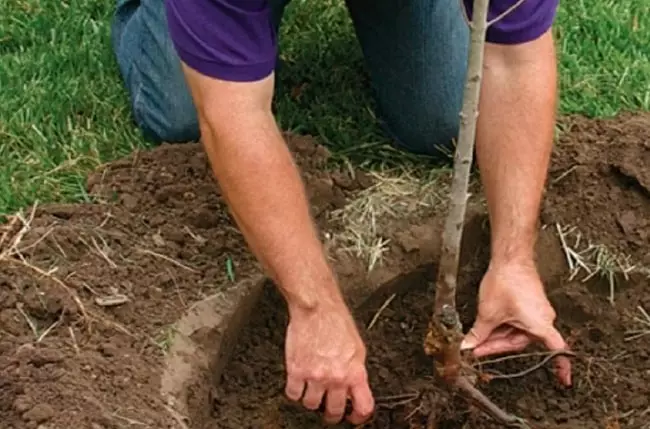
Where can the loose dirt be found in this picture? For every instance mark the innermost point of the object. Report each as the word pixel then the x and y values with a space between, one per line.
pixel 611 375
pixel 89 294
pixel 600 182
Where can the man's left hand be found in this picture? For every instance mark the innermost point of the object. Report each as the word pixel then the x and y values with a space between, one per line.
pixel 513 313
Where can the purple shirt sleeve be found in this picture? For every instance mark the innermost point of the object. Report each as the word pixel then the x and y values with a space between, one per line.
pixel 226 39
pixel 525 23
pixel 234 39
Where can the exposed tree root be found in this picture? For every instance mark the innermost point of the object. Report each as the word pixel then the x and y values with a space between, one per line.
pixel 477 398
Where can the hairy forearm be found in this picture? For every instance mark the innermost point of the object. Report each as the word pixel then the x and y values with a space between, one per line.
pixel 265 193
pixel 514 141
pixel 263 188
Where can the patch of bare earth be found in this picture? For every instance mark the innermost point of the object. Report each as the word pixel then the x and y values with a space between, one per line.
pixel 89 293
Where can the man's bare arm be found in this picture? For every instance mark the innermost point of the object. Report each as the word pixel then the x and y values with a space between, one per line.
pixel 324 353
pixel 262 185
pixel 514 140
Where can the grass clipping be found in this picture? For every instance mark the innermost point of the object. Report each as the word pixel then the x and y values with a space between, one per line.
pixel 394 195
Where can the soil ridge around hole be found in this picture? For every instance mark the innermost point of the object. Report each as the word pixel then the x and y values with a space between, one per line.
pixel 202 342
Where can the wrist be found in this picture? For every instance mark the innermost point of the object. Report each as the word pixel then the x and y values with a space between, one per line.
pixel 521 257
pixel 523 265
pixel 311 296
pixel 506 259
pixel 517 246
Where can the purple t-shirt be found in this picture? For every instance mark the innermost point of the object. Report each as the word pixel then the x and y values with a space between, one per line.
pixel 234 40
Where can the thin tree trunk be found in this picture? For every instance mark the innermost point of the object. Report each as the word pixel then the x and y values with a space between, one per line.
pixel 445 331
pixel 451 239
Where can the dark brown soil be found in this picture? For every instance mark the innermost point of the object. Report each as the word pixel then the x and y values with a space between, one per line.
pixel 611 376
pixel 600 182
pixel 158 234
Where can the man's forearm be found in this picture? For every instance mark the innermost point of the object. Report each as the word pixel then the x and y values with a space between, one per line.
pixel 266 196
pixel 263 187
pixel 514 141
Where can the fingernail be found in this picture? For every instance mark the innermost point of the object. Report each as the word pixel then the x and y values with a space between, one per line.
pixel 466 345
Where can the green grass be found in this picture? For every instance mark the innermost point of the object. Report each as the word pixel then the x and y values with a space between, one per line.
pixel 63 109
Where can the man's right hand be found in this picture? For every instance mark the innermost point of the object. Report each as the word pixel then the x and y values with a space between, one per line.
pixel 325 358
pixel 265 194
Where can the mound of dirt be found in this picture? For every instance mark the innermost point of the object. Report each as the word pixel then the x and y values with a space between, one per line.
pixel 89 292
pixel 600 182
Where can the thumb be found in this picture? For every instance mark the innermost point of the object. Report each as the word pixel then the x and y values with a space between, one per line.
pixel 478 334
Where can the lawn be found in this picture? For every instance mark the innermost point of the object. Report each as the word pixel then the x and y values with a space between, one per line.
pixel 63 109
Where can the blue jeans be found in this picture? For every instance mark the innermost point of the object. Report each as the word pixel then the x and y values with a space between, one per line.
pixel 415 52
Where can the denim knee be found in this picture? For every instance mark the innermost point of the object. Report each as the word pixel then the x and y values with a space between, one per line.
pixel 424 131
pixel 416 54
pixel 160 99
pixel 172 126
pixel 161 102
pixel 165 113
